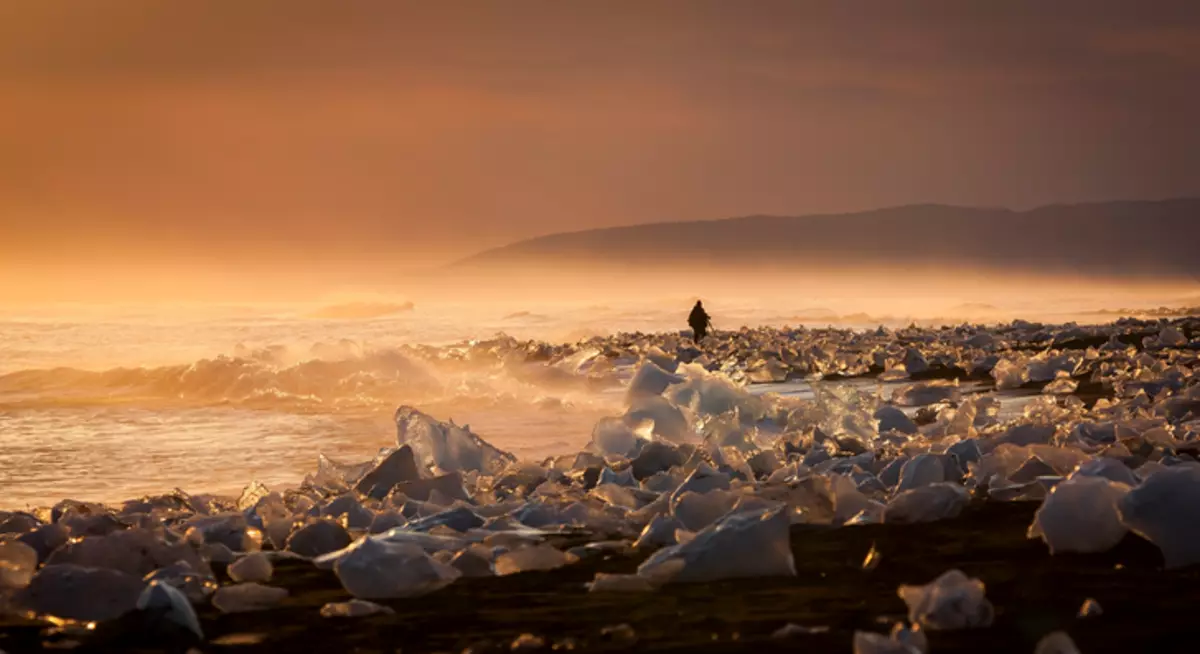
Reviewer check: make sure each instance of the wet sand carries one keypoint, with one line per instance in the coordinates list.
(1144, 607)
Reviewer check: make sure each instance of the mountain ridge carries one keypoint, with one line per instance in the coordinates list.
(1127, 237)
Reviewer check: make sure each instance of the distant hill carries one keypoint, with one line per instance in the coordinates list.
(1134, 239)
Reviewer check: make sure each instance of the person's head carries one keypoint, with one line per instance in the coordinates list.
(697, 302)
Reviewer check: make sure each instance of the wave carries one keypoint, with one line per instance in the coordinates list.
(335, 376)
(360, 310)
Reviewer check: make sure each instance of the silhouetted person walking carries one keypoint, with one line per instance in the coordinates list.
(699, 321)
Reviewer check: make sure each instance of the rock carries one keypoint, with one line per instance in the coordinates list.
(244, 598)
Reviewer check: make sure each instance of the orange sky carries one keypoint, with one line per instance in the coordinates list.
(423, 131)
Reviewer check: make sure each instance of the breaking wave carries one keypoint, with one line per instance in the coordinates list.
(327, 377)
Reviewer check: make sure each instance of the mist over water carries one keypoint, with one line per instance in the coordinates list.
(110, 401)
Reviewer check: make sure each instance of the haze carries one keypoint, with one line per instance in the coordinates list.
(147, 145)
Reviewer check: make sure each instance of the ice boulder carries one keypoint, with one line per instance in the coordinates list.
(376, 568)
(740, 545)
(952, 601)
(1165, 510)
(1080, 515)
(445, 446)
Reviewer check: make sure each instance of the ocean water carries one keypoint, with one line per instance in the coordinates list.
(109, 403)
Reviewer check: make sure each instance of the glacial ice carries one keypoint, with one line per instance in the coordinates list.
(952, 601)
(355, 608)
(750, 544)
(1165, 510)
(378, 568)
(1080, 515)
(250, 596)
(18, 563)
(251, 567)
(171, 605)
(699, 472)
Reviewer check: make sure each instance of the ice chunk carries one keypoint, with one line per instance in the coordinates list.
(750, 544)
(1090, 609)
(446, 446)
(247, 597)
(533, 557)
(376, 568)
(170, 604)
(926, 394)
(611, 436)
(18, 563)
(695, 511)
(135, 551)
(78, 593)
(1108, 468)
(1080, 515)
(952, 601)
(921, 470)
(472, 564)
(617, 583)
(1165, 510)
(702, 480)
(791, 630)
(449, 485)
(902, 640)
(1057, 642)
(1010, 374)
(655, 456)
(399, 466)
(660, 531)
(650, 380)
(252, 567)
(354, 608)
(927, 504)
(318, 537)
(892, 419)
(669, 422)
(276, 519)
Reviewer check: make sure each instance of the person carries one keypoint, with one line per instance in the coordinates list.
(699, 321)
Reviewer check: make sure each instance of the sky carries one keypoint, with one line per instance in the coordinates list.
(419, 132)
